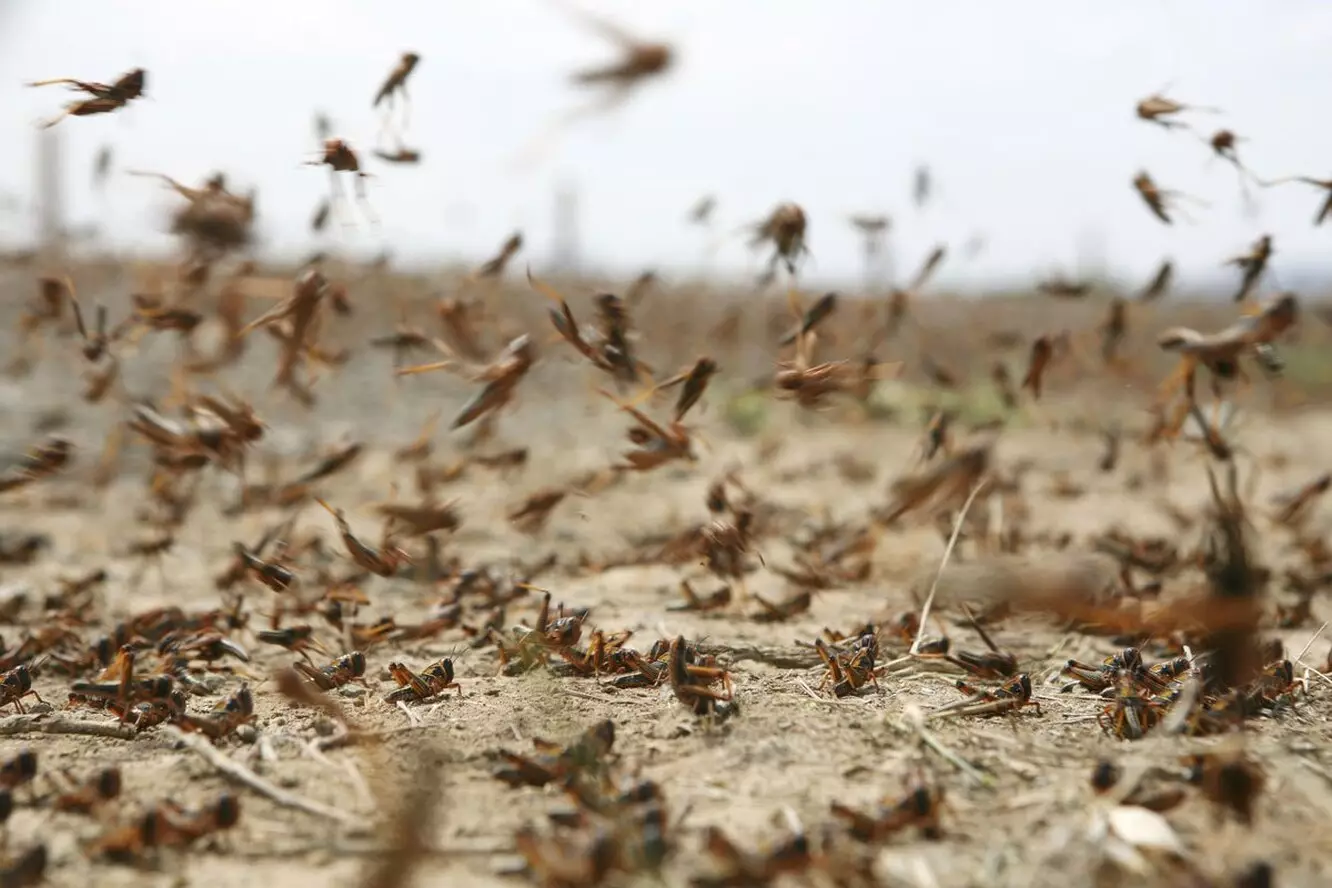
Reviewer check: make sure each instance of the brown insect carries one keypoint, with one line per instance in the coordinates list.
(226, 717)
(345, 669)
(1294, 507)
(639, 288)
(1112, 436)
(1326, 184)
(1113, 329)
(701, 212)
(694, 383)
(128, 842)
(1223, 143)
(1252, 265)
(418, 687)
(1106, 775)
(213, 220)
(938, 435)
(1220, 352)
(165, 825)
(459, 319)
(123, 694)
(736, 867)
(513, 458)
(824, 306)
(300, 314)
(96, 343)
(947, 482)
(1062, 288)
(47, 308)
(531, 514)
(83, 798)
(691, 682)
(1156, 198)
(563, 862)
(401, 155)
(40, 462)
(419, 519)
(1042, 352)
(1159, 285)
(810, 384)
(899, 301)
(1009, 697)
(1233, 783)
(993, 664)
(180, 649)
(501, 378)
(396, 85)
(694, 602)
(587, 752)
(1160, 110)
(319, 218)
(1133, 713)
(15, 685)
(273, 575)
(20, 769)
(1003, 382)
(640, 62)
(25, 870)
(382, 561)
(848, 672)
(297, 639)
(214, 430)
(920, 807)
(1098, 678)
(339, 157)
(785, 228)
(22, 549)
(655, 445)
(781, 611)
(608, 348)
(495, 266)
(105, 97)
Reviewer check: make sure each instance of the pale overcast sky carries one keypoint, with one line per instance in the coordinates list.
(1023, 108)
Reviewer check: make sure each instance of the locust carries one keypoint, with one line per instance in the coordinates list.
(1157, 199)
(395, 84)
(104, 97)
(1325, 209)
(501, 378)
(1252, 265)
(1160, 110)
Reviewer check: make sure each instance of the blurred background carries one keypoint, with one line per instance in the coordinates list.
(1022, 111)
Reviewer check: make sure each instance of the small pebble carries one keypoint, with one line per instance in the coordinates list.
(247, 734)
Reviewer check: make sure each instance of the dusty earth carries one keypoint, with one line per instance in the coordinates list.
(1018, 811)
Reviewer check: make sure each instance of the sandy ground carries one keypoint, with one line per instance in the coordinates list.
(789, 747)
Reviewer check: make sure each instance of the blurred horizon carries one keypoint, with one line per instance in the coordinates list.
(1024, 115)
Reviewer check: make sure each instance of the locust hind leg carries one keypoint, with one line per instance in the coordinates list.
(364, 200)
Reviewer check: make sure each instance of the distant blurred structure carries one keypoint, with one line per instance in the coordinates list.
(49, 179)
(565, 247)
(876, 257)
